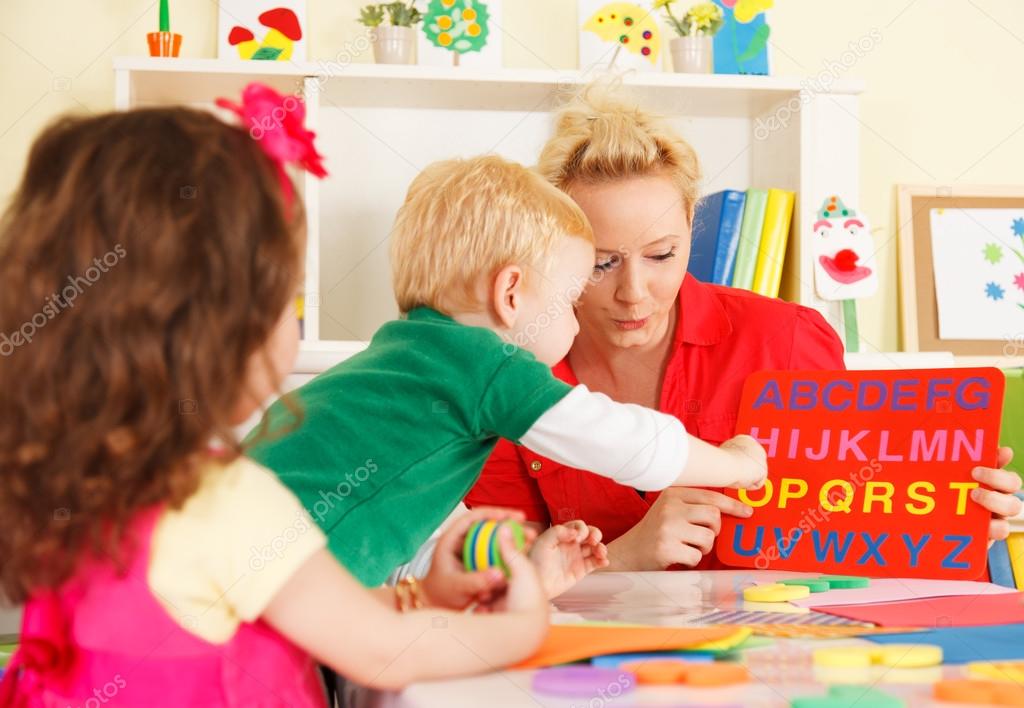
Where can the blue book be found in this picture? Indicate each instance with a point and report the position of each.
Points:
(999, 568)
(716, 236)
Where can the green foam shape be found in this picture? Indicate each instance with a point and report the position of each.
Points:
(845, 582)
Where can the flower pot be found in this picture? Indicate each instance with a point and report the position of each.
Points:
(693, 54)
(163, 44)
(394, 45)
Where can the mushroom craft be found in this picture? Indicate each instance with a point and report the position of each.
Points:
(283, 30)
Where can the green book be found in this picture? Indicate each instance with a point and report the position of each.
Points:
(750, 238)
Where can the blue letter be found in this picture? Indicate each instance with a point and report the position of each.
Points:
(874, 548)
(831, 539)
(769, 394)
(901, 393)
(980, 399)
(949, 561)
(785, 550)
(862, 404)
(826, 392)
(737, 541)
(805, 391)
(914, 550)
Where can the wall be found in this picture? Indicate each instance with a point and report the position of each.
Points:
(943, 105)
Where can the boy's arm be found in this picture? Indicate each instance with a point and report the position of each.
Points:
(634, 445)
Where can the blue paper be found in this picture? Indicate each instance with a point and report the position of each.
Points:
(741, 48)
(960, 645)
(999, 568)
(613, 661)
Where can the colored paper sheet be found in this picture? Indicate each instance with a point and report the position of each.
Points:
(961, 645)
(899, 589)
(568, 643)
(961, 611)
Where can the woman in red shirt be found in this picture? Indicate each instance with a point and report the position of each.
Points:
(651, 334)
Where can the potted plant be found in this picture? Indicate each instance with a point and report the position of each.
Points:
(693, 50)
(394, 39)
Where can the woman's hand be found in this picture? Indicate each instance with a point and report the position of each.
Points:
(565, 553)
(998, 498)
(679, 528)
(449, 584)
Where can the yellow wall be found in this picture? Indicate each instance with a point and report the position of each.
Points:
(944, 103)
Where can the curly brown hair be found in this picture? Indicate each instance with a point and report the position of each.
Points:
(145, 257)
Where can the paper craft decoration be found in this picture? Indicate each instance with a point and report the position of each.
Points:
(956, 611)
(164, 43)
(269, 30)
(978, 257)
(961, 645)
(488, 57)
(844, 253)
(922, 295)
(567, 643)
(741, 45)
(622, 35)
(458, 26)
(869, 472)
(894, 590)
(844, 261)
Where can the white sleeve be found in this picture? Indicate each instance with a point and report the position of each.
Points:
(631, 444)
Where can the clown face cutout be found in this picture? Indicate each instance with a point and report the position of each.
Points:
(844, 253)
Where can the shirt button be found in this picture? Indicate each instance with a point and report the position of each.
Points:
(535, 465)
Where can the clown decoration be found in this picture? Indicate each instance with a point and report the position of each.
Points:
(844, 261)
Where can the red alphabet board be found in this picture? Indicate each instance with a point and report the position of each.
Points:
(869, 472)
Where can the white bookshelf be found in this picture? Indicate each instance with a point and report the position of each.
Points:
(379, 125)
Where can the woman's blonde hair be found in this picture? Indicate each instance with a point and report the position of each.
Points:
(467, 218)
(601, 136)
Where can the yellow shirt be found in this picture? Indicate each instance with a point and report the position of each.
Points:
(221, 558)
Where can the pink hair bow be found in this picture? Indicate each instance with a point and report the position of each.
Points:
(276, 122)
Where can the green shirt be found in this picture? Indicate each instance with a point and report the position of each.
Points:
(390, 440)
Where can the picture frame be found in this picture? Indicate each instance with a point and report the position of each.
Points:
(919, 308)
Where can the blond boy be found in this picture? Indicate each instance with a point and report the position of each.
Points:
(488, 261)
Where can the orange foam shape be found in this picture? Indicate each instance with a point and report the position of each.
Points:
(568, 643)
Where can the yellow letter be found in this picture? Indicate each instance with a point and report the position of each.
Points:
(871, 496)
(929, 503)
(962, 489)
(791, 489)
(841, 504)
(745, 498)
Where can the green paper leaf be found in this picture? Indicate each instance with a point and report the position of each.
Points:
(269, 53)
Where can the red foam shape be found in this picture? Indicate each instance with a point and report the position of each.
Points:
(284, 21)
(239, 35)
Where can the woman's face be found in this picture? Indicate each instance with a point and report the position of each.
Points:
(642, 235)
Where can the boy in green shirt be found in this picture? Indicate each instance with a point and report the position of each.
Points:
(488, 261)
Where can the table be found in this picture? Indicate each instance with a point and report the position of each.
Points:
(780, 671)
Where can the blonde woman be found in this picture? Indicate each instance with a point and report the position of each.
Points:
(651, 334)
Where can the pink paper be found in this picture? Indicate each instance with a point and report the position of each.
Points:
(936, 612)
(895, 589)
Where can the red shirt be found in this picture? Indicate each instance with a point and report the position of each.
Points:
(722, 336)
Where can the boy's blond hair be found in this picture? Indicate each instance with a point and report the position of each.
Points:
(601, 135)
(467, 218)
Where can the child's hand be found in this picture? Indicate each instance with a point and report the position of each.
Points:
(449, 584)
(565, 553)
(750, 460)
(525, 593)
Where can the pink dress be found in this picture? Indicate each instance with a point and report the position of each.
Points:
(102, 639)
